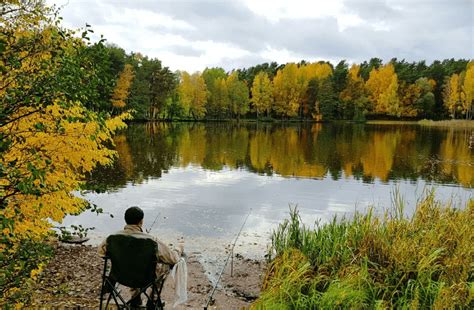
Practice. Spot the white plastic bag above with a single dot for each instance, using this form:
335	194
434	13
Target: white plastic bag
180	277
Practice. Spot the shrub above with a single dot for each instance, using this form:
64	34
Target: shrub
422	261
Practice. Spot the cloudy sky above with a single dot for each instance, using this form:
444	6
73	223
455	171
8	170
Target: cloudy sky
193	34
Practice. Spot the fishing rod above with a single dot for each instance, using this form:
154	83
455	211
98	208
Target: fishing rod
152	224
231	254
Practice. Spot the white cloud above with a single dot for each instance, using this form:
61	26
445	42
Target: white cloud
380	26
348	20
283	56
212	53
276	10
148	32
190	35
225	177
279	55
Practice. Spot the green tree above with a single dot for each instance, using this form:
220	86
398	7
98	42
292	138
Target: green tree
214	106
312	94
340	76
152	86
426	101
327	100
317	71
173	107
354	96
367	67
248	74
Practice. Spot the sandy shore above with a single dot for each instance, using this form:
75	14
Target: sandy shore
72	279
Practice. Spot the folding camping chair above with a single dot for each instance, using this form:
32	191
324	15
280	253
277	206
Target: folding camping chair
133	265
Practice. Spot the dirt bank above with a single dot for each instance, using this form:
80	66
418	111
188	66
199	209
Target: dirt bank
72	279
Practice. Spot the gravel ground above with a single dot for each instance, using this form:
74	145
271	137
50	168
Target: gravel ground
72	280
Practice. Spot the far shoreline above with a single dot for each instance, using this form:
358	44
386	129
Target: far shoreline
453	123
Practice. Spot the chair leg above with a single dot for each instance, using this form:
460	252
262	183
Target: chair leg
117	294
108	301
158	293
102	289
153	297
109	287
135	301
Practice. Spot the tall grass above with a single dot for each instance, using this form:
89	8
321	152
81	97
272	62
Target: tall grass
454	123
391	122
422	261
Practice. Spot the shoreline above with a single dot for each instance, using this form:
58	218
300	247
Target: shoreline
210	252
72	279
462	123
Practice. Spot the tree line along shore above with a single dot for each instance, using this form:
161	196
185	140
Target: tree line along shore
318	91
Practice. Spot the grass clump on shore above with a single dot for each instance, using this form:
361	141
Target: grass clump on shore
424	261
454	123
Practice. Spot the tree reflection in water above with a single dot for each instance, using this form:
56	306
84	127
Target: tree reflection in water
361	152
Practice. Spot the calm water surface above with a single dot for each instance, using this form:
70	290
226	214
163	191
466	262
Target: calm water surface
200	180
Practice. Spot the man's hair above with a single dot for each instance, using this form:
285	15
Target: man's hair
133	215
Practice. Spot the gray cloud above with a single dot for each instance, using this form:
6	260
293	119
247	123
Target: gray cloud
414	30
184	50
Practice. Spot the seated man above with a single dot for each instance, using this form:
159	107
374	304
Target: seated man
165	256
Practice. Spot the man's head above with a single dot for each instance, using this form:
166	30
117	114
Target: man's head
134	216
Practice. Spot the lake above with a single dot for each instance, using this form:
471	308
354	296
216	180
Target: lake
200	180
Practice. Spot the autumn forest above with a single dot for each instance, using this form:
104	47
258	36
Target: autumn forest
319	91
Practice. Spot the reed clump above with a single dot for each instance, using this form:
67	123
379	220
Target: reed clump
368	262
454	123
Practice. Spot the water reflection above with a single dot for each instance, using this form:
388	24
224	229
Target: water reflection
361	152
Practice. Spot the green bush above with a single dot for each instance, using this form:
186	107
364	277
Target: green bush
18	271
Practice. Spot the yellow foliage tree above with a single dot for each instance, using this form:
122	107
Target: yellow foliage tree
193	94
238	93
316	70
122	89
383	87
458	157
50	162
451	95
192	146
409	94
262	93
124	153
377	160
221	97
288	90
355	85
49	140
260	150
467	94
